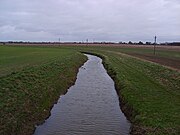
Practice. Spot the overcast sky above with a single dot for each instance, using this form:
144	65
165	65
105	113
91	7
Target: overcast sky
98	20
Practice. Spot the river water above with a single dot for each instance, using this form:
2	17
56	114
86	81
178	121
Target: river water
90	107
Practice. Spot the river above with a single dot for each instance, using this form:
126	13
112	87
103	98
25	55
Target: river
90	107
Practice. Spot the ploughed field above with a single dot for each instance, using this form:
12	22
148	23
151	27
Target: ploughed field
32	78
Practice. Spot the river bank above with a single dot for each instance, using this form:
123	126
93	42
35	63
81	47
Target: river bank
28	93
146	98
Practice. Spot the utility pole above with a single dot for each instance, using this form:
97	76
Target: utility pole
59	41
87	41
155	39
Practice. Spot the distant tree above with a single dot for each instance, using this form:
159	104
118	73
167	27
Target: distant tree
130	42
140	43
148	43
174	44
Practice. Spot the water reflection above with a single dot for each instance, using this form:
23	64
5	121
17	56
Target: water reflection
90	107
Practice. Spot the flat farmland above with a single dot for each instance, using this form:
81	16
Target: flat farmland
164	55
167	56
33	77
14	59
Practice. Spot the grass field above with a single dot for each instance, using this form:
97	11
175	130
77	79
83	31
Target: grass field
14	59
31	79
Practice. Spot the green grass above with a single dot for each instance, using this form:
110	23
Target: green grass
32	82
13	59
150	93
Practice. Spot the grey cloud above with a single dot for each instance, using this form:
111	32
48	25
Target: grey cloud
102	20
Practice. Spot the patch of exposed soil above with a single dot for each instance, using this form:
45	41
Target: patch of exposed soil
173	63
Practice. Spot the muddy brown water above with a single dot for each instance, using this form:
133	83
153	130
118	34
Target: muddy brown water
90	107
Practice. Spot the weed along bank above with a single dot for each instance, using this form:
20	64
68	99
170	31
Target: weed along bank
90	107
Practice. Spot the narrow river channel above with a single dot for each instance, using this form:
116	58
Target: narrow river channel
90	107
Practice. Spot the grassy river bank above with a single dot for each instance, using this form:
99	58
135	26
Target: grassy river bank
149	92
31	81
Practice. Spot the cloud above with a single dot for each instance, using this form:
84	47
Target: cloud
101	20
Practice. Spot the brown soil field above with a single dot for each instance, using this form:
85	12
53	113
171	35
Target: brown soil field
171	63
